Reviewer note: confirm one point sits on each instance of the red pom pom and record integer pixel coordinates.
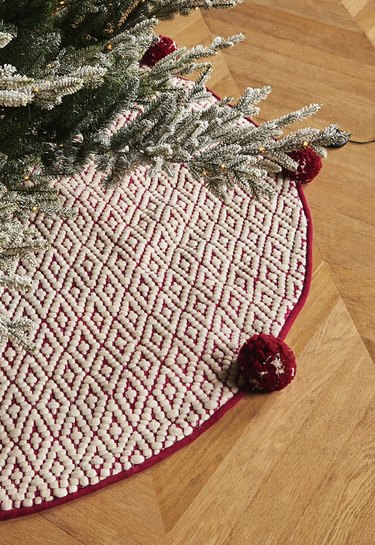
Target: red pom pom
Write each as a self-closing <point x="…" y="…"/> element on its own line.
<point x="267" y="363"/>
<point x="158" y="51"/>
<point x="309" y="165"/>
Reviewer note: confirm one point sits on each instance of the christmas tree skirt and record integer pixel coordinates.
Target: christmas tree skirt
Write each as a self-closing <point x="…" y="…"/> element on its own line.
<point x="141" y="306"/>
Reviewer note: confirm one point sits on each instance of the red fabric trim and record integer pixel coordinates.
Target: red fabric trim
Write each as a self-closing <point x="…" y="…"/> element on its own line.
<point x="22" y="511"/>
<point x="309" y="268"/>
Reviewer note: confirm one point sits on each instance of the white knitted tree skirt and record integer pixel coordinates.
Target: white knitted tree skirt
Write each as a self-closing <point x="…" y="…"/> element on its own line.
<point x="141" y="306"/>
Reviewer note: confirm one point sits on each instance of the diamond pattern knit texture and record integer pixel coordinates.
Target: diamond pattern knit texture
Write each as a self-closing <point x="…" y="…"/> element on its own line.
<point x="141" y="306"/>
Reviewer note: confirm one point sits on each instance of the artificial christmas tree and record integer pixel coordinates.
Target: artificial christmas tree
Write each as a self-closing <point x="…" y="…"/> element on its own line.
<point x="69" y="67"/>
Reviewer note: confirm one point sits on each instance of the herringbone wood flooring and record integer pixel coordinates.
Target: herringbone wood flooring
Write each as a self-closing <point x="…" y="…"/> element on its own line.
<point x="363" y="12"/>
<point x="299" y="466"/>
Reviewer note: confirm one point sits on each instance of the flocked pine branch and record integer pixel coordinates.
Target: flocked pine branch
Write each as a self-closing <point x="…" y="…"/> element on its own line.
<point x="18" y="332"/>
<point x="94" y="21"/>
<point x="16" y="240"/>
<point x="20" y="240"/>
<point x="168" y="9"/>
<point x="68" y="67"/>
<point x="216" y="143"/>
<point x="17" y="90"/>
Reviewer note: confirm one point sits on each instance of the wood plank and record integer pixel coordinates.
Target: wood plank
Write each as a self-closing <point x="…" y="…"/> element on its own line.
<point x="33" y="530"/>
<point x="126" y="513"/>
<point x="363" y="12"/>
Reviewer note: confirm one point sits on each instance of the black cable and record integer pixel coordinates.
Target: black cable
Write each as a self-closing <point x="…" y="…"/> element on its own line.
<point x="362" y="141"/>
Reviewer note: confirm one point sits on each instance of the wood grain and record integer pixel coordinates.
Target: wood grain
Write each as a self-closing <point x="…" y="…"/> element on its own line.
<point x="363" y="12"/>
<point x="297" y="467"/>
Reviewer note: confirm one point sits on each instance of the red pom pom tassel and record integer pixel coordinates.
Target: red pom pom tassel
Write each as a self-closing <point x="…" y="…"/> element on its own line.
<point x="309" y="165"/>
<point x="267" y="363"/>
<point x="158" y="51"/>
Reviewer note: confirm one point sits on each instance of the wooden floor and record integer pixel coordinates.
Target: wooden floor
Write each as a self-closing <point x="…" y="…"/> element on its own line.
<point x="296" y="467"/>
<point x="363" y="12"/>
